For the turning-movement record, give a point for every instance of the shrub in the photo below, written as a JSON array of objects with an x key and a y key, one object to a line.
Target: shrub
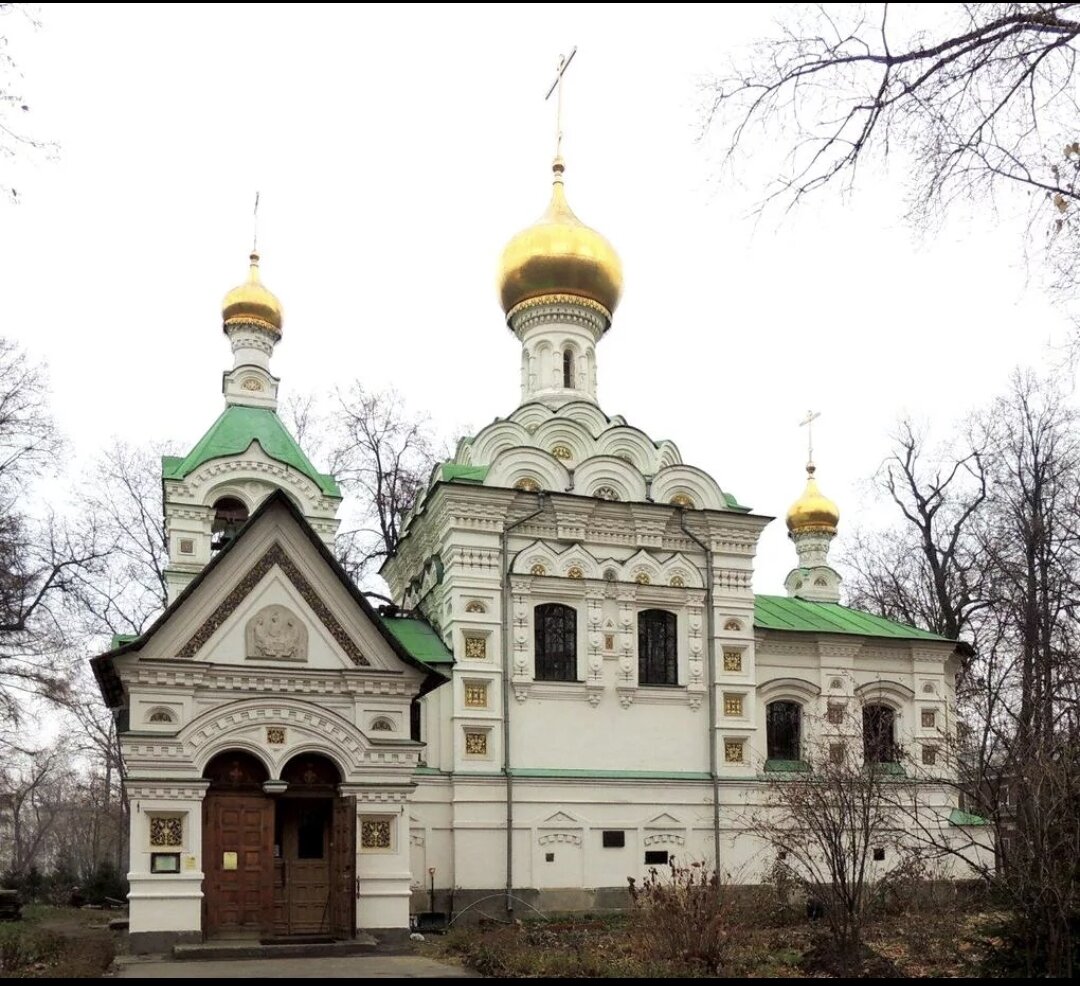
[{"x": 683, "y": 916}]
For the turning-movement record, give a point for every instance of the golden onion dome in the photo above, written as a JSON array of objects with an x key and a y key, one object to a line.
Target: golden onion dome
[
  {"x": 251, "y": 302},
  {"x": 813, "y": 511},
  {"x": 559, "y": 255}
]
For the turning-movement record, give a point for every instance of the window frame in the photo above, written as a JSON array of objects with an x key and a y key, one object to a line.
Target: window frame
[
  {"x": 889, "y": 747},
  {"x": 645, "y": 618},
  {"x": 775, "y": 753},
  {"x": 569, "y": 673}
]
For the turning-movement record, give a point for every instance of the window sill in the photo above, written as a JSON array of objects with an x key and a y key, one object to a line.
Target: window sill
[
  {"x": 888, "y": 768},
  {"x": 787, "y": 767},
  {"x": 644, "y": 686},
  {"x": 558, "y": 681}
]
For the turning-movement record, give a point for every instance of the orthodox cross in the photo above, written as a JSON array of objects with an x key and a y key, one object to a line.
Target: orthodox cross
[
  {"x": 255, "y": 226},
  {"x": 564, "y": 64},
  {"x": 808, "y": 421}
]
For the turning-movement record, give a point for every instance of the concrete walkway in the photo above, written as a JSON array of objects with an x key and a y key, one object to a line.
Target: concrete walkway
[{"x": 338, "y": 967}]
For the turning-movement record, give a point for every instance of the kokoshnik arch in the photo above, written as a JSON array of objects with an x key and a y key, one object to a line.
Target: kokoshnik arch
[{"x": 583, "y": 682}]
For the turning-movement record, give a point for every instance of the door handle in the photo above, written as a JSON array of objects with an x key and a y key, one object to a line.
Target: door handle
[{"x": 358, "y": 888}]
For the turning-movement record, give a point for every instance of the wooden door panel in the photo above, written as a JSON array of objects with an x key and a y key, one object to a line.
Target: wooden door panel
[
  {"x": 343, "y": 868},
  {"x": 238, "y": 901}
]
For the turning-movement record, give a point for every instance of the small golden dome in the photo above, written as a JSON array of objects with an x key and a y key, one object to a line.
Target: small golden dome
[
  {"x": 559, "y": 255},
  {"x": 252, "y": 302},
  {"x": 813, "y": 511}
]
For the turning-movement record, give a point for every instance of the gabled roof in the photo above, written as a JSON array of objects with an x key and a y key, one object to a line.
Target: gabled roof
[
  {"x": 234, "y": 431},
  {"x": 784, "y": 613},
  {"x": 103, "y": 665}
]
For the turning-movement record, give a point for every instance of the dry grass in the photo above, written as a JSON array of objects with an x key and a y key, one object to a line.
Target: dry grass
[
  {"x": 910, "y": 945},
  {"x": 56, "y": 943}
]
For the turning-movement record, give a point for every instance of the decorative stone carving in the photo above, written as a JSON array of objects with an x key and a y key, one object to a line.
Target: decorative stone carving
[
  {"x": 166, "y": 831},
  {"x": 275, "y": 735},
  {"x": 664, "y": 839},
  {"x": 554, "y": 838},
  {"x": 276, "y": 633},
  {"x": 274, "y": 555}
]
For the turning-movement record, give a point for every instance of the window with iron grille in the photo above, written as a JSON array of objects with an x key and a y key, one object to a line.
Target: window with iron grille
[
  {"x": 658, "y": 649},
  {"x": 555, "y": 638}
]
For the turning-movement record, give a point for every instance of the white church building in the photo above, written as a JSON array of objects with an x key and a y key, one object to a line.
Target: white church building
[{"x": 580, "y": 681}]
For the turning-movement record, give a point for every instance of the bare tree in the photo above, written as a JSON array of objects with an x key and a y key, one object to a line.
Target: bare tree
[
  {"x": 383, "y": 456},
  {"x": 14, "y": 138},
  {"x": 1020, "y": 694},
  {"x": 837, "y": 832},
  {"x": 976, "y": 99},
  {"x": 124, "y": 505},
  {"x": 32, "y": 783}
]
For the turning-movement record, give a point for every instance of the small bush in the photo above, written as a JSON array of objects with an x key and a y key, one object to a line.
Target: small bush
[{"x": 684, "y": 916}]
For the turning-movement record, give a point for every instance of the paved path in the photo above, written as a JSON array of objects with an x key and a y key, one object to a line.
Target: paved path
[{"x": 342, "y": 967}]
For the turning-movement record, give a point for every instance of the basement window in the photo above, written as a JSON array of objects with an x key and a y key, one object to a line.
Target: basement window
[
  {"x": 656, "y": 857},
  {"x": 614, "y": 839}
]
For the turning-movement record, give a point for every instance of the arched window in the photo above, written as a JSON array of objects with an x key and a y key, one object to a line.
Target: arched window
[
  {"x": 230, "y": 514},
  {"x": 658, "y": 649},
  {"x": 567, "y": 369},
  {"x": 879, "y": 734},
  {"x": 555, "y": 636},
  {"x": 783, "y": 725}
]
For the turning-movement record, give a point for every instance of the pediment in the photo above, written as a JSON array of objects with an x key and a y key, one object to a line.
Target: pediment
[
  {"x": 275, "y": 599},
  {"x": 664, "y": 821},
  {"x": 560, "y": 819}
]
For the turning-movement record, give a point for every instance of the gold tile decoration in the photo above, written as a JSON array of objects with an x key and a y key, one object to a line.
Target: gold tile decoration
[
  {"x": 161, "y": 715},
  {"x": 375, "y": 833},
  {"x": 606, "y": 493},
  {"x": 678, "y": 581},
  {"x": 929, "y": 756},
  {"x": 733, "y": 660},
  {"x": 528, "y": 484},
  {"x": 642, "y": 578},
  {"x": 476, "y": 694},
  {"x": 835, "y": 715},
  {"x": 538, "y": 569},
  {"x": 734, "y": 625},
  {"x": 187, "y": 546},
  {"x": 575, "y": 572},
  {"x": 561, "y": 452},
  {"x": 476, "y": 743},
  {"x": 475, "y": 606},
  {"x": 609, "y": 641},
  {"x": 733, "y": 751},
  {"x": 275, "y": 735},
  {"x": 476, "y": 648},
  {"x": 682, "y": 500},
  {"x": 929, "y": 718},
  {"x": 166, "y": 831},
  {"x": 733, "y": 705}
]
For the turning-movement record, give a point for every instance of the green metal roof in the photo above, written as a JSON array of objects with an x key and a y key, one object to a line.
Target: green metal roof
[
  {"x": 960, "y": 817},
  {"x": 233, "y": 433},
  {"x": 783, "y": 613},
  {"x": 419, "y": 638},
  {"x": 463, "y": 474}
]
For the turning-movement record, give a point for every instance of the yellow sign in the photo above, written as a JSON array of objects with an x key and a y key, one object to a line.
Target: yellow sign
[
  {"x": 228, "y": 861},
  {"x": 189, "y": 862}
]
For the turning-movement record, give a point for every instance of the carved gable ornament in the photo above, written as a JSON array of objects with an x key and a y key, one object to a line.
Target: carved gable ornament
[{"x": 275, "y": 633}]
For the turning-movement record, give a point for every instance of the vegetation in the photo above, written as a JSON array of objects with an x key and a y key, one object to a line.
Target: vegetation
[{"x": 56, "y": 943}]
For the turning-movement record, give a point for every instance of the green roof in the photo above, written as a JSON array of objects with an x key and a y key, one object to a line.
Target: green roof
[
  {"x": 419, "y": 638},
  {"x": 960, "y": 817},
  {"x": 463, "y": 474},
  {"x": 233, "y": 433},
  {"x": 783, "y": 613}
]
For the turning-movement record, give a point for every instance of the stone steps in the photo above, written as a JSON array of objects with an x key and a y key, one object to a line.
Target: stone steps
[{"x": 223, "y": 950}]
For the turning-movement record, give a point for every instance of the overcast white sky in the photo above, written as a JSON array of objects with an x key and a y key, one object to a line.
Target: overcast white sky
[{"x": 396, "y": 150}]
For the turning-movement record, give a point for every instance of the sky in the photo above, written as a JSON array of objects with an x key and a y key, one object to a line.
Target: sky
[{"x": 396, "y": 150}]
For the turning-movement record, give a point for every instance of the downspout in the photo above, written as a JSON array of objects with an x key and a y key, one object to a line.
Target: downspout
[
  {"x": 710, "y": 682},
  {"x": 504, "y": 542}
]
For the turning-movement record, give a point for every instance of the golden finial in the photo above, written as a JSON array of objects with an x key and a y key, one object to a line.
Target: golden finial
[
  {"x": 813, "y": 511},
  {"x": 252, "y": 303}
]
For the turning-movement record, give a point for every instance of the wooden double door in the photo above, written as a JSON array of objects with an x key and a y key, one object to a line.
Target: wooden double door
[{"x": 279, "y": 868}]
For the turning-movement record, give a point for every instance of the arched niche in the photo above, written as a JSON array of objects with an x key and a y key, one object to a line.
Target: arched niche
[
  {"x": 236, "y": 771},
  {"x": 312, "y": 773}
]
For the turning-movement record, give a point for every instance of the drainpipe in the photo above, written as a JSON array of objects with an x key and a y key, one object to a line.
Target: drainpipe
[
  {"x": 710, "y": 680},
  {"x": 506, "y": 563}
]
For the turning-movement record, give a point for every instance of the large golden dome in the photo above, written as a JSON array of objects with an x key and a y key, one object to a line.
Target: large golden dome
[
  {"x": 813, "y": 511},
  {"x": 559, "y": 255},
  {"x": 252, "y": 302}
]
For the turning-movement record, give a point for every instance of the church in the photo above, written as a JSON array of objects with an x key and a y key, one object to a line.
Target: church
[{"x": 578, "y": 681}]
